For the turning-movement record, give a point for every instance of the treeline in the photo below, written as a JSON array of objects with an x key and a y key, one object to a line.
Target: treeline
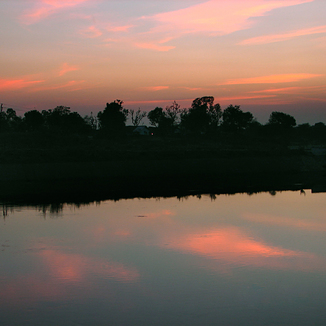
[{"x": 204, "y": 117}]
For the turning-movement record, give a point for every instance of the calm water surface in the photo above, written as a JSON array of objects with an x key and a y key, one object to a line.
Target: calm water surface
[{"x": 232, "y": 260}]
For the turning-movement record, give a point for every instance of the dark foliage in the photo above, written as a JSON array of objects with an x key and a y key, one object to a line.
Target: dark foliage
[
  {"x": 203, "y": 122},
  {"x": 33, "y": 120},
  {"x": 203, "y": 116},
  {"x": 9, "y": 121},
  {"x": 165, "y": 120},
  {"x": 281, "y": 120},
  {"x": 113, "y": 119},
  {"x": 235, "y": 119}
]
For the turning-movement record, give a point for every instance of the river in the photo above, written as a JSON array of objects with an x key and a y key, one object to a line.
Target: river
[{"x": 239, "y": 259}]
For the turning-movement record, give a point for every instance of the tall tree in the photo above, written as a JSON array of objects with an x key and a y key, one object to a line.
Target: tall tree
[
  {"x": 112, "y": 120},
  {"x": 202, "y": 116},
  {"x": 235, "y": 119},
  {"x": 172, "y": 112},
  {"x": 155, "y": 116},
  {"x": 33, "y": 120},
  {"x": 137, "y": 116},
  {"x": 282, "y": 120}
]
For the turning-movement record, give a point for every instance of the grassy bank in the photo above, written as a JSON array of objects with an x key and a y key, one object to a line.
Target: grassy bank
[
  {"x": 60, "y": 167},
  {"x": 146, "y": 178}
]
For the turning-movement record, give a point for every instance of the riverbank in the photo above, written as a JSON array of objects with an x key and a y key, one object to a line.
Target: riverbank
[
  {"x": 126, "y": 178},
  {"x": 59, "y": 167}
]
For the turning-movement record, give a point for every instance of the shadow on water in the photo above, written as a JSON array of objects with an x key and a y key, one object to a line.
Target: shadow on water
[{"x": 54, "y": 208}]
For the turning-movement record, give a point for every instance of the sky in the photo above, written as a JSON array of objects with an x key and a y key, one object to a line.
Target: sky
[{"x": 264, "y": 55}]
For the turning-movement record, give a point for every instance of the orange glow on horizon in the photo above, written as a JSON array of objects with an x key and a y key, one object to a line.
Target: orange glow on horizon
[{"x": 178, "y": 50}]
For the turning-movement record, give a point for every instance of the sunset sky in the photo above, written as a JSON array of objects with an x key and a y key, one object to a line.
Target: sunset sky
[{"x": 265, "y": 55}]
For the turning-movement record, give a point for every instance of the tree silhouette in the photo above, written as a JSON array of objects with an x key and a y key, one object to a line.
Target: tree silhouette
[
  {"x": 60, "y": 119},
  {"x": 33, "y": 120},
  {"x": 91, "y": 121},
  {"x": 112, "y": 120},
  {"x": 282, "y": 120},
  {"x": 202, "y": 116},
  {"x": 155, "y": 116},
  {"x": 164, "y": 120},
  {"x": 235, "y": 119},
  {"x": 9, "y": 121},
  {"x": 137, "y": 116},
  {"x": 172, "y": 113},
  {"x": 3, "y": 122},
  {"x": 55, "y": 118}
]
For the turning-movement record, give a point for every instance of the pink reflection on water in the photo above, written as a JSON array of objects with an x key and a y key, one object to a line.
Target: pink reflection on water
[
  {"x": 313, "y": 225},
  {"x": 64, "y": 276},
  {"x": 231, "y": 246},
  {"x": 74, "y": 268},
  {"x": 160, "y": 214}
]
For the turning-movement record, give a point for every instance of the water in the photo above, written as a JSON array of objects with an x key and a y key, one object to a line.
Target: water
[{"x": 232, "y": 260}]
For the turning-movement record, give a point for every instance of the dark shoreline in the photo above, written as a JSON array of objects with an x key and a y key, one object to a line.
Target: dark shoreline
[{"x": 117, "y": 179}]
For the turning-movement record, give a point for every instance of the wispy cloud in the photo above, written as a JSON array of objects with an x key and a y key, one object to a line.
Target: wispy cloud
[
  {"x": 279, "y": 90},
  {"x": 216, "y": 16},
  {"x": 244, "y": 97},
  {"x": 91, "y": 32},
  {"x": 14, "y": 84},
  {"x": 155, "y": 47},
  {"x": 65, "y": 68},
  {"x": 273, "y": 79},
  {"x": 293, "y": 90},
  {"x": 155, "y": 88},
  {"x": 45, "y": 8},
  {"x": 265, "y": 39},
  {"x": 122, "y": 28},
  {"x": 72, "y": 83},
  {"x": 192, "y": 89}
]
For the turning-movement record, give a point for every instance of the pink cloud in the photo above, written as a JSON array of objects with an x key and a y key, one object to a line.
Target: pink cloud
[
  {"x": 245, "y": 97},
  {"x": 91, "y": 32},
  {"x": 14, "y": 84},
  {"x": 192, "y": 89},
  {"x": 155, "y": 47},
  {"x": 286, "y": 90},
  {"x": 65, "y": 68},
  {"x": 123, "y": 28},
  {"x": 69, "y": 84},
  {"x": 216, "y": 16},
  {"x": 45, "y": 8},
  {"x": 286, "y": 36},
  {"x": 294, "y": 90},
  {"x": 155, "y": 88},
  {"x": 272, "y": 79}
]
